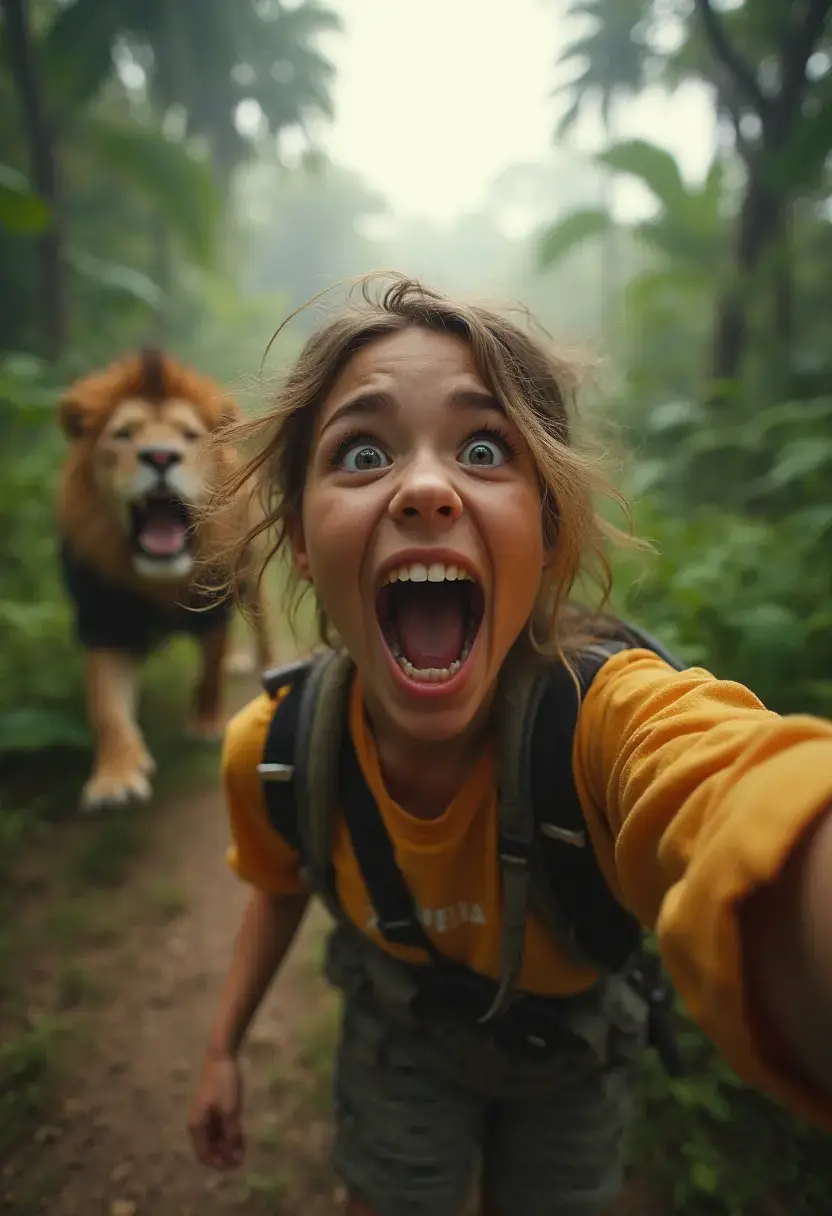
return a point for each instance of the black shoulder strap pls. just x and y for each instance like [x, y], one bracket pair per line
[567, 880]
[277, 769]
[389, 893]
[284, 781]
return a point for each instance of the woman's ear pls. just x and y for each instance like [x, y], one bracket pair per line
[300, 556]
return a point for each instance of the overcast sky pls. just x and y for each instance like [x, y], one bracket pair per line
[434, 98]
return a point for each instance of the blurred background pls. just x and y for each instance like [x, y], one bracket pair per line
[650, 177]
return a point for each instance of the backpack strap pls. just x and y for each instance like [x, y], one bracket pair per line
[277, 768]
[546, 855]
[398, 921]
[523, 733]
[306, 723]
[569, 890]
[518, 697]
[322, 719]
[312, 720]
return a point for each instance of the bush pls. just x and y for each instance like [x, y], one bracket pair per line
[714, 1147]
[40, 692]
[737, 505]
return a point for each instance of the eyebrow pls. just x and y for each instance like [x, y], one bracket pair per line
[379, 403]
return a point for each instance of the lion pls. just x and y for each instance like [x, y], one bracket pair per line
[133, 544]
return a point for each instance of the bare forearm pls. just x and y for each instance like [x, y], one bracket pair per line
[268, 929]
[789, 930]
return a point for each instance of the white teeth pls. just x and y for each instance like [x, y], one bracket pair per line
[436, 572]
[429, 675]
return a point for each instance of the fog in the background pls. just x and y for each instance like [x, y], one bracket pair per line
[442, 160]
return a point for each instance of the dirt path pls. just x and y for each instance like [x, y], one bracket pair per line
[116, 1143]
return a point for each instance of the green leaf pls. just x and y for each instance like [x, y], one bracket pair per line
[76, 52]
[111, 276]
[574, 230]
[652, 165]
[800, 459]
[569, 118]
[704, 1177]
[671, 415]
[800, 163]
[20, 209]
[29, 730]
[713, 190]
[654, 287]
[768, 627]
[24, 393]
[169, 175]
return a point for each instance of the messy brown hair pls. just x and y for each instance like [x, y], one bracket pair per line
[537, 390]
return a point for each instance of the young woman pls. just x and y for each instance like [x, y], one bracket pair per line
[420, 467]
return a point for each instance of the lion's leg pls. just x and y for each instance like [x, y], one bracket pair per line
[207, 721]
[122, 765]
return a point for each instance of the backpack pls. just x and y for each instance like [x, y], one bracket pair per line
[546, 857]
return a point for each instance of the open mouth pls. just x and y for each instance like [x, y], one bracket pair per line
[160, 527]
[429, 617]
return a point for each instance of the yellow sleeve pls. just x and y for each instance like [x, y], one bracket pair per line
[258, 854]
[702, 794]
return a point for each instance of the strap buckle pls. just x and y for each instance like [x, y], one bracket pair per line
[563, 835]
[513, 851]
[276, 772]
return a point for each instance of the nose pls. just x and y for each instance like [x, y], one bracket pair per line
[160, 459]
[426, 494]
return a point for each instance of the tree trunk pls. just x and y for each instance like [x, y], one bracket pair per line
[757, 227]
[783, 308]
[43, 162]
[765, 210]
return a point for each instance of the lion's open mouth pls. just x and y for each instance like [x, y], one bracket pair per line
[160, 527]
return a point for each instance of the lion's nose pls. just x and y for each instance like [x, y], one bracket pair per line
[159, 459]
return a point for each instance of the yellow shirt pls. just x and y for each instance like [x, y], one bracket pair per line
[694, 794]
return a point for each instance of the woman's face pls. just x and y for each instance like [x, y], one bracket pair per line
[421, 530]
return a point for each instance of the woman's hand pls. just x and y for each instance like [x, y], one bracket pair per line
[788, 928]
[269, 926]
[214, 1120]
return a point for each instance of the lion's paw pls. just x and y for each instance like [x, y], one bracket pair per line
[117, 784]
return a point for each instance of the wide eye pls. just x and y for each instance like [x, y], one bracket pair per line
[482, 453]
[363, 457]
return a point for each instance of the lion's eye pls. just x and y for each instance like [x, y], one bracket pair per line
[123, 432]
[190, 434]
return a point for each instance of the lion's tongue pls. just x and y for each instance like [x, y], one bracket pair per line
[163, 536]
[430, 624]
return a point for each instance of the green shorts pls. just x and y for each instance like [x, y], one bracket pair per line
[424, 1108]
